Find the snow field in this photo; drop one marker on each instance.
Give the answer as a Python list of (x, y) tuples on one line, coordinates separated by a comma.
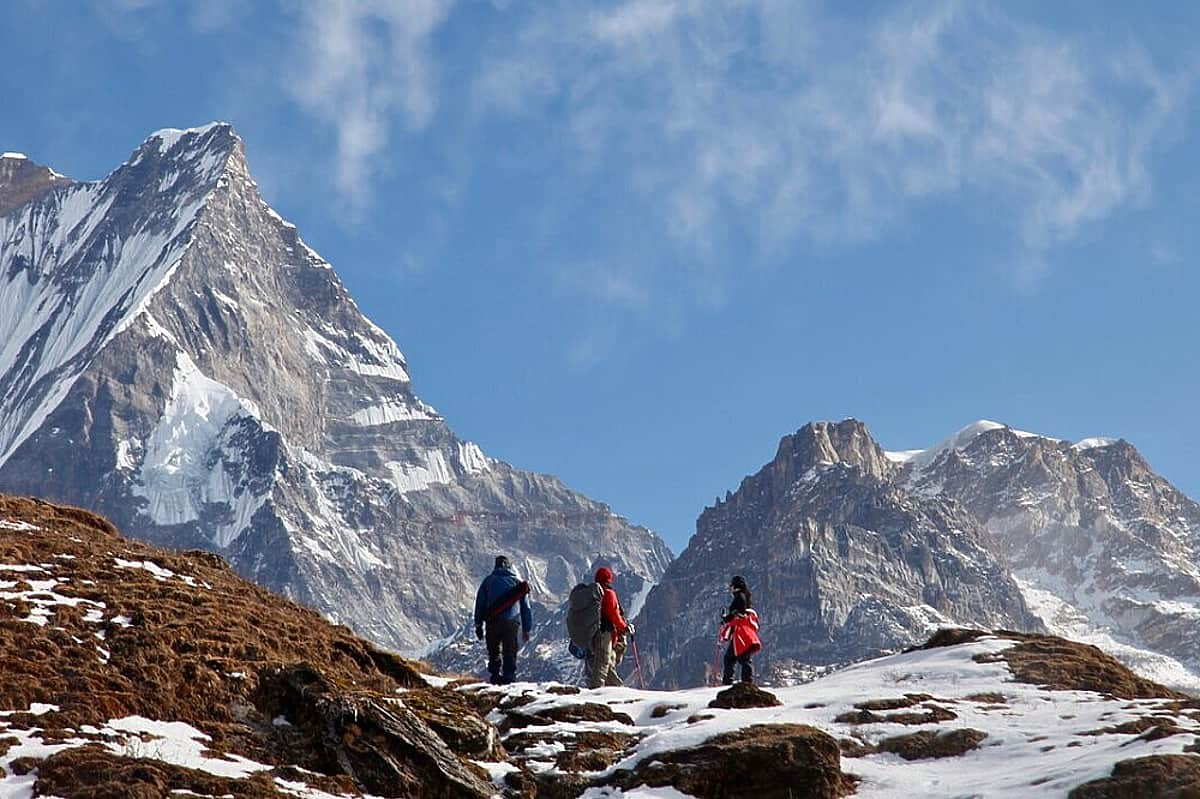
[(1036, 744)]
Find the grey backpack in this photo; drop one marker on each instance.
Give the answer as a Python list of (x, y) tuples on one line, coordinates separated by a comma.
[(583, 613)]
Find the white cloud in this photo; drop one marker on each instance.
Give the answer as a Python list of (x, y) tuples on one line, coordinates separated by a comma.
[(765, 117), (737, 129), (362, 67)]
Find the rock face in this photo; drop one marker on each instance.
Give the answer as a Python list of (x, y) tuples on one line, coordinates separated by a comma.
[(22, 181), (844, 564), (173, 355), (1104, 548)]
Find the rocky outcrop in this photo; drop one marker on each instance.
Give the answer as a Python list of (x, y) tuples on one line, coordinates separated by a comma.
[(23, 181), (765, 761), (843, 563), (1157, 775), (111, 644), (378, 742)]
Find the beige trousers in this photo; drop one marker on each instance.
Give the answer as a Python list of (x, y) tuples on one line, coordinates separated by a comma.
[(603, 659)]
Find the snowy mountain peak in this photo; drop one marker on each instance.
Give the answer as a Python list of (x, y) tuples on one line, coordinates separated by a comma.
[(195, 156), (1097, 442), (23, 180), (167, 138), (962, 439)]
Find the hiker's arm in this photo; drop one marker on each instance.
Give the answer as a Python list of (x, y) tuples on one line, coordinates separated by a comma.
[(526, 617), (612, 611)]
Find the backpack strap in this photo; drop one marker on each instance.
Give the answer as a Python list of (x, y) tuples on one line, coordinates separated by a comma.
[(509, 598)]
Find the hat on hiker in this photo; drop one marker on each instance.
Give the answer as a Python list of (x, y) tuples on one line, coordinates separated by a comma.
[(502, 562), (738, 581), (604, 575)]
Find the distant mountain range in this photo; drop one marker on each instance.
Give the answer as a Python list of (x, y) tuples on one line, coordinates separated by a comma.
[(853, 551)]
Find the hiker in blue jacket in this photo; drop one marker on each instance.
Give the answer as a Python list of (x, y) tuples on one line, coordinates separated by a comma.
[(496, 607)]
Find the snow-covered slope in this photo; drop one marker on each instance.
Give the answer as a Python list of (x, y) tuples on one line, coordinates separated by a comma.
[(174, 355), (1017, 740)]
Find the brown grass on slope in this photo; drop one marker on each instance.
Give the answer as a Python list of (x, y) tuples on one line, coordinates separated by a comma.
[(123, 637)]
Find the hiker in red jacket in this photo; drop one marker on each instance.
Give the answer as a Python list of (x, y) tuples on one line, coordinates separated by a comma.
[(608, 645), (740, 629)]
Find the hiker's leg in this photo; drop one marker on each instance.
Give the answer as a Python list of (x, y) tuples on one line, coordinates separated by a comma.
[(727, 679), (601, 658), (618, 650), (612, 678), (508, 643), (492, 637), (747, 668)]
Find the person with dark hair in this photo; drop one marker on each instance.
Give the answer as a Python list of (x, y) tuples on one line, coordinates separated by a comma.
[(501, 603), (740, 629)]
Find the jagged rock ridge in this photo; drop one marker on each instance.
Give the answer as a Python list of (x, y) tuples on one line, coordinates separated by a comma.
[(173, 355), (844, 564)]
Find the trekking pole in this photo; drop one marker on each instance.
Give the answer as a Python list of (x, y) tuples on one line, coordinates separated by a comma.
[(637, 663), (716, 661)]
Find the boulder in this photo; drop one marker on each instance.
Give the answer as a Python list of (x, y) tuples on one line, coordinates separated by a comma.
[(764, 761), (378, 741), (743, 695)]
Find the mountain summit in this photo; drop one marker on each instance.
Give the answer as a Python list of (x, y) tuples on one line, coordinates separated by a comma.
[(175, 356)]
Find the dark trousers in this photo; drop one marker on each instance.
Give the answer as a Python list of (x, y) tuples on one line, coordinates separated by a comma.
[(744, 660), (502, 636)]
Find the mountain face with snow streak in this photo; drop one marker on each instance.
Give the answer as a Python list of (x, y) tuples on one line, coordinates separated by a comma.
[(852, 551), (843, 562), (1105, 550), (174, 356)]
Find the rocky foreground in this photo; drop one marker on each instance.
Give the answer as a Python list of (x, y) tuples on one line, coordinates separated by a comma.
[(129, 671)]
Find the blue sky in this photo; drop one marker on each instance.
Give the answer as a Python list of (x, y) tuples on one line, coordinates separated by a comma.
[(634, 243)]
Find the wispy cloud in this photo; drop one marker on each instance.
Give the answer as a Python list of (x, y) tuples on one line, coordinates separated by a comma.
[(364, 68), (738, 130), (770, 117)]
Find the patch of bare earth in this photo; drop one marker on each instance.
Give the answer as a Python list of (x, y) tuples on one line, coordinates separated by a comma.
[(932, 743), (205, 647), (929, 713), (1060, 665), (1159, 776)]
